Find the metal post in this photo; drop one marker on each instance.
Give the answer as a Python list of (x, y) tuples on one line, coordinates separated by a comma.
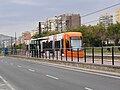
[(112, 55), (93, 55), (71, 54), (61, 54), (39, 28), (36, 48), (31, 50), (85, 54), (102, 54), (66, 54), (15, 44), (39, 53), (11, 46), (78, 53), (57, 54), (53, 53), (39, 49)]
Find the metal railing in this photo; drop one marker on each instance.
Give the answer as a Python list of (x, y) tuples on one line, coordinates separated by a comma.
[(94, 55)]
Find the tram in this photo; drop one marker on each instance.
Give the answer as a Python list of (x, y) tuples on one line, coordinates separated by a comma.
[(69, 44)]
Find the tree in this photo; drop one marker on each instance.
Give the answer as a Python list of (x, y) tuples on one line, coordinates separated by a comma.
[(100, 33), (45, 33), (114, 33), (92, 35), (20, 46)]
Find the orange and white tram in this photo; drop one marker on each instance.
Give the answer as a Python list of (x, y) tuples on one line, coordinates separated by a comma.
[(65, 43)]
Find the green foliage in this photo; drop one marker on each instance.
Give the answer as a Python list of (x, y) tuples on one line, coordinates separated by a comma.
[(46, 33), (92, 35), (37, 36), (114, 32), (20, 46)]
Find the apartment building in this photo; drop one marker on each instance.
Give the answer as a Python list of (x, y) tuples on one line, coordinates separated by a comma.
[(26, 36), (62, 22), (117, 15), (106, 19), (71, 21)]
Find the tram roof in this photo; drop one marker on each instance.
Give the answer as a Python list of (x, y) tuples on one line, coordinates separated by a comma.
[(59, 36), (42, 38)]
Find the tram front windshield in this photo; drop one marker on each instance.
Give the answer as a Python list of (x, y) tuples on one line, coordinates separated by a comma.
[(76, 42)]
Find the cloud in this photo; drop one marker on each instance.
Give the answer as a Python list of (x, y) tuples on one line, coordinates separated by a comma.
[(25, 2)]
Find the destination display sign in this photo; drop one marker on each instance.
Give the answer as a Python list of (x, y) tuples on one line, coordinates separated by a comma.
[(75, 38)]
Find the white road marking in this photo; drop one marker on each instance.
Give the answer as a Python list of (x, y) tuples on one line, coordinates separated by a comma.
[(52, 77), (78, 70), (31, 70), (88, 88), (2, 85), (7, 83), (100, 74), (19, 66)]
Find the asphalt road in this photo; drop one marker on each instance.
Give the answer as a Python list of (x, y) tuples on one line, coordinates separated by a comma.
[(27, 75)]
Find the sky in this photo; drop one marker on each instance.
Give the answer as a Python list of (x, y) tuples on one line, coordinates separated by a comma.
[(23, 15)]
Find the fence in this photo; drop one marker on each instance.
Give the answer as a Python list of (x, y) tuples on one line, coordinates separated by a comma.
[(94, 55)]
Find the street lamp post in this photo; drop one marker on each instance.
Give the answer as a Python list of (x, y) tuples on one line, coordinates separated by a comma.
[(15, 44), (11, 46)]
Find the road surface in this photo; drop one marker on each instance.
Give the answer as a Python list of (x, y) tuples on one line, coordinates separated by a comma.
[(28, 75)]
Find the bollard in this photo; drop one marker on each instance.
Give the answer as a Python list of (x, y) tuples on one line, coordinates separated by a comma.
[(112, 55), (39, 53), (71, 54), (78, 54), (93, 55), (102, 55), (85, 54), (57, 54), (61, 54), (66, 54), (53, 53)]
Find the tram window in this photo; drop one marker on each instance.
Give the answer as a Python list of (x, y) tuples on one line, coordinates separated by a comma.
[(44, 45), (47, 45), (50, 45), (62, 43), (32, 46), (67, 44), (57, 44)]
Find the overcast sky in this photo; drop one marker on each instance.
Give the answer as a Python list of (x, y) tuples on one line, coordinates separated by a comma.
[(23, 15)]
